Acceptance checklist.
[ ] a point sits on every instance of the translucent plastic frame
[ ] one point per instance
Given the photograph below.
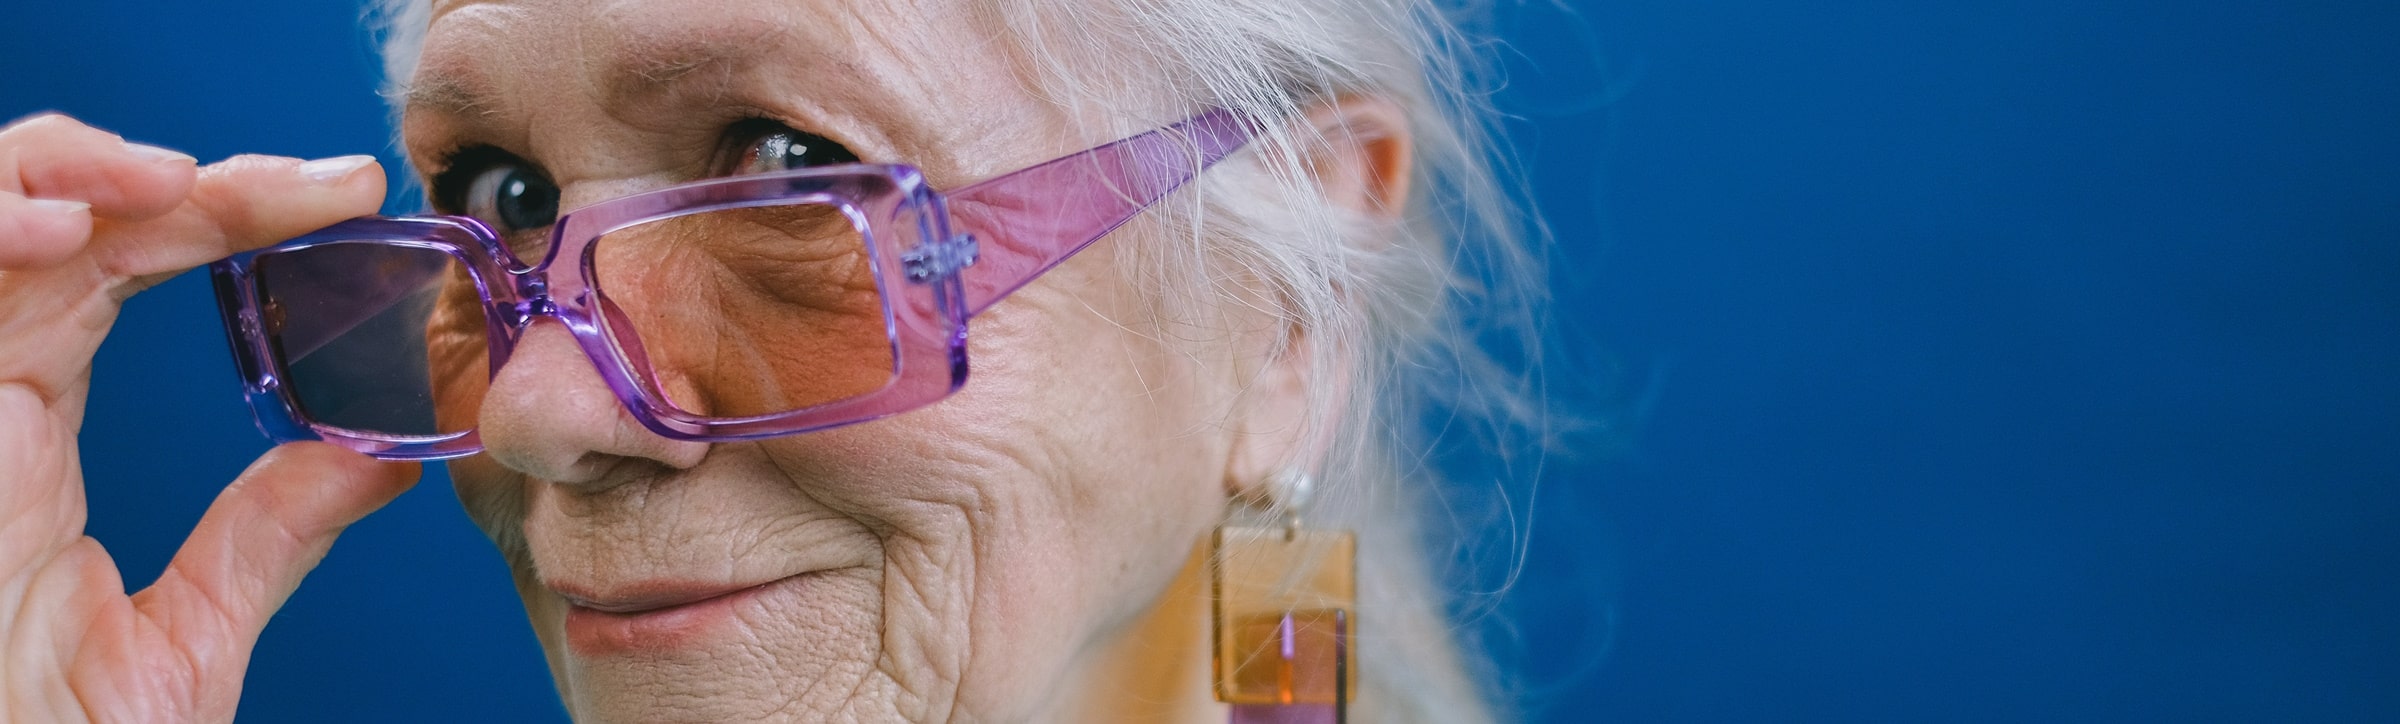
(938, 259)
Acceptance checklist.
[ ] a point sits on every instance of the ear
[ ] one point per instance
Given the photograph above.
(1360, 151)
(1272, 424)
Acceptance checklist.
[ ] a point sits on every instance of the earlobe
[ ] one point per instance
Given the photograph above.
(1271, 434)
(1362, 153)
(1287, 415)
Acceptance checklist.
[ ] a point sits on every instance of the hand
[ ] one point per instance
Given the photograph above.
(86, 221)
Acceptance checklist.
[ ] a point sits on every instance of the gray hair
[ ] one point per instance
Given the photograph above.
(1408, 316)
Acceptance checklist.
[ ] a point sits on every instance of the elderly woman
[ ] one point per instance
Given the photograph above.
(694, 331)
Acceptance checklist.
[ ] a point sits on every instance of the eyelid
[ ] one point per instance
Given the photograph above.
(447, 187)
(453, 175)
(742, 139)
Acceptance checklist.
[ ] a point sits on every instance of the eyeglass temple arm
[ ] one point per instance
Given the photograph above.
(1028, 221)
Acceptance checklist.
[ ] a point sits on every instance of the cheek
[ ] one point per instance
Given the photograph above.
(749, 312)
(1049, 502)
(457, 354)
(459, 368)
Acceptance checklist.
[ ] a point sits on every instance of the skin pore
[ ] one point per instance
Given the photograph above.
(1023, 551)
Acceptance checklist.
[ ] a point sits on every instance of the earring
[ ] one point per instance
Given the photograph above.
(1284, 599)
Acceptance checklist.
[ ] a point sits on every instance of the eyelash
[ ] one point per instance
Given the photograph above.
(742, 139)
(447, 188)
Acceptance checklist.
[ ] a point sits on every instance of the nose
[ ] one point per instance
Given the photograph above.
(550, 416)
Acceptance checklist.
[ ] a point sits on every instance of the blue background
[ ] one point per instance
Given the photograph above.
(2032, 360)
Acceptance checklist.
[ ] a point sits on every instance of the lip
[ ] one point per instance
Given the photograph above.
(653, 615)
(648, 596)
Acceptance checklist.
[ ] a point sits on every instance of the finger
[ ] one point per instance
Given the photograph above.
(39, 233)
(56, 157)
(38, 498)
(239, 204)
(250, 550)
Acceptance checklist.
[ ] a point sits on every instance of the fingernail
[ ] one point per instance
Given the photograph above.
(60, 206)
(331, 170)
(155, 154)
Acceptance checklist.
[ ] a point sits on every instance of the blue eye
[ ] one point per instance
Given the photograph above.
(778, 148)
(511, 198)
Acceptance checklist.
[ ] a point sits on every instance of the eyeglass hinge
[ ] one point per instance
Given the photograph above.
(939, 259)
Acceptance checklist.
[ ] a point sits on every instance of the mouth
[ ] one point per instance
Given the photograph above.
(654, 615)
(649, 597)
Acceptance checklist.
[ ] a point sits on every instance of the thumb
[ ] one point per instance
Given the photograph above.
(250, 550)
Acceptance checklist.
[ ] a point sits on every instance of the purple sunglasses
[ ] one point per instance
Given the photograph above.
(322, 326)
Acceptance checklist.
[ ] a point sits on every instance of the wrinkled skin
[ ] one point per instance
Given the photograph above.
(1022, 551)
(73, 645)
(977, 560)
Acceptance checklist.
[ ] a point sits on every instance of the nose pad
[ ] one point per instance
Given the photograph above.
(549, 415)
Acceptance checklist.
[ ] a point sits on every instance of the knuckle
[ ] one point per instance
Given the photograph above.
(43, 119)
(51, 125)
(230, 207)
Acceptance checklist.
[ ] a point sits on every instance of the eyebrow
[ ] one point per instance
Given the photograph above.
(445, 94)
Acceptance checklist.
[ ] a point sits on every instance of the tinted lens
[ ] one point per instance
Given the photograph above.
(747, 312)
(363, 329)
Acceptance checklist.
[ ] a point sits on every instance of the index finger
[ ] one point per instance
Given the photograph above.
(239, 204)
(51, 156)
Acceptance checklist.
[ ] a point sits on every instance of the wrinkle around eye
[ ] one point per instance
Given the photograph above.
(801, 256)
(457, 349)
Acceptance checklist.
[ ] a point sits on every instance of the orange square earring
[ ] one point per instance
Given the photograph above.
(1284, 600)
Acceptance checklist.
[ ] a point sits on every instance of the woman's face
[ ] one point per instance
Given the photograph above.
(967, 561)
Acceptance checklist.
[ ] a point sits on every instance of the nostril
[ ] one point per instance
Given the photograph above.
(589, 472)
(592, 473)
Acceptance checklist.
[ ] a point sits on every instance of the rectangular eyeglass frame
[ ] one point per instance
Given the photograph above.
(948, 255)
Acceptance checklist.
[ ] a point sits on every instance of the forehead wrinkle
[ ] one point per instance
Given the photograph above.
(454, 91)
(890, 90)
(640, 68)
